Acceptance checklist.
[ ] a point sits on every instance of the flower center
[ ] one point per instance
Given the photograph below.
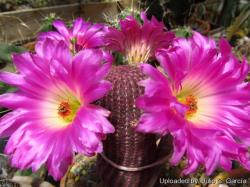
(64, 109)
(191, 102)
(138, 53)
(67, 110)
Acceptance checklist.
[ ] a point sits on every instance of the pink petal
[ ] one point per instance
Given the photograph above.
(61, 28)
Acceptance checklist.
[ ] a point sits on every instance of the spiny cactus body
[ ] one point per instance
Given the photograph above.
(126, 147)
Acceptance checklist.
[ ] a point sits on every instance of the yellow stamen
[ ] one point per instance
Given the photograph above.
(64, 109)
(67, 110)
(138, 53)
(191, 102)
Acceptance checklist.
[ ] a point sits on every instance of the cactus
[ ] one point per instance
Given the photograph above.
(126, 147)
(130, 158)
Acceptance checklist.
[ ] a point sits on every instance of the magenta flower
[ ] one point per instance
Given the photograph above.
(52, 115)
(202, 101)
(138, 42)
(82, 35)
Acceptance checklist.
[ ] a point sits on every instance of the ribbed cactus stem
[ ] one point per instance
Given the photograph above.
(126, 147)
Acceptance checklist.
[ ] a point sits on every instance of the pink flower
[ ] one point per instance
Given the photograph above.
(82, 35)
(53, 116)
(138, 42)
(202, 101)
